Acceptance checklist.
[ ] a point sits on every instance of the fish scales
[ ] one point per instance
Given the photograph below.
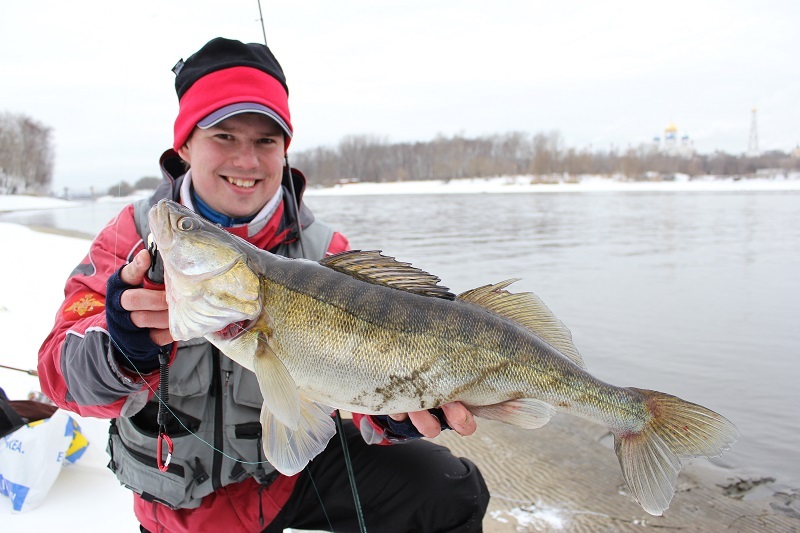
(363, 332)
(499, 360)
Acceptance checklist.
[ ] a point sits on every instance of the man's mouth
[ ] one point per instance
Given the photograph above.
(244, 183)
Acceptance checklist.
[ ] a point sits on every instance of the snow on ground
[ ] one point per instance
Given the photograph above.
(86, 495)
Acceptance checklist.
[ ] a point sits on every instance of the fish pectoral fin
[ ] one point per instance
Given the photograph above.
(526, 413)
(527, 310)
(278, 388)
(289, 450)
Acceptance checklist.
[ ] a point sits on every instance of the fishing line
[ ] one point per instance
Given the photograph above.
(168, 408)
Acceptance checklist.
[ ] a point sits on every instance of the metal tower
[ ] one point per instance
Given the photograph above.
(752, 143)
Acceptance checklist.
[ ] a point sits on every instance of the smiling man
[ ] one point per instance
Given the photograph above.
(229, 164)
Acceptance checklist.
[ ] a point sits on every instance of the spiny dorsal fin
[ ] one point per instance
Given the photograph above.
(378, 269)
(527, 310)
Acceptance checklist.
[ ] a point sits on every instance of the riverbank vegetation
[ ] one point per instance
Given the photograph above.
(544, 156)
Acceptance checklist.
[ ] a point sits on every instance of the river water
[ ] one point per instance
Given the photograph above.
(692, 293)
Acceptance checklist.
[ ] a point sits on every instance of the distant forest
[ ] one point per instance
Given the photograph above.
(27, 156)
(543, 156)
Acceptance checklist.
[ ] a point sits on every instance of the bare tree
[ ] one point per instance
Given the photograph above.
(26, 154)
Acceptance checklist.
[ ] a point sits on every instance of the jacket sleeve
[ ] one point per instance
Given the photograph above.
(77, 368)
(338, 244)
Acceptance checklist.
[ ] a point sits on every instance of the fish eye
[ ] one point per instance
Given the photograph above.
(185, 224)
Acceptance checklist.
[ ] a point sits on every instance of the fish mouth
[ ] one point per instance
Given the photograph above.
(235, 329)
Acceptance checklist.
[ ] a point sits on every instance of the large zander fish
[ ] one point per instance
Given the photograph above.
(365, 333)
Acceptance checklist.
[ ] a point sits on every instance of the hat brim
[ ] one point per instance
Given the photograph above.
(243, 107)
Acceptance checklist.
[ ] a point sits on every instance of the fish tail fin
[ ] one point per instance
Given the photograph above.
(651, 458)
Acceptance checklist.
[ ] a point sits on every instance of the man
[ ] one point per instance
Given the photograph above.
(111, 338)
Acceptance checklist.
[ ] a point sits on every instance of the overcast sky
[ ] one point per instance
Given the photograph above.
(601, 73)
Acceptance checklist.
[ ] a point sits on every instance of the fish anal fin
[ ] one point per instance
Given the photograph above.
(527, 310)
(378, 269)
(651, 459)
(528, 413)
(290, 450)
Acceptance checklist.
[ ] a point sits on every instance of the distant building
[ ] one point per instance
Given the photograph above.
(672, 144)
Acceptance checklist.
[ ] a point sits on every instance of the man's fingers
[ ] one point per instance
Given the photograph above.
(426, 423)
(133, 273)
(161, 337)
(459, 418)
(143, 300)
(150, 319)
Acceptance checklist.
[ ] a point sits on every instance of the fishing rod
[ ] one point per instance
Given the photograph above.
(29, 372)
(338, 416)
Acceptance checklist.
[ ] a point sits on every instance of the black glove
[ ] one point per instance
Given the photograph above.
(405, 429)
(133, 346)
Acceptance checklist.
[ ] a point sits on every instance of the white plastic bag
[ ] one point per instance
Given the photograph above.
(32, 457)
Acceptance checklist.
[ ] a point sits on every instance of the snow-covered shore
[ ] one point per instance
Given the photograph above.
(86, 495)
(527, 184)
(504, 184)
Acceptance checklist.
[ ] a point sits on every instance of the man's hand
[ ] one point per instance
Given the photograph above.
(458, 418)
(148, 307)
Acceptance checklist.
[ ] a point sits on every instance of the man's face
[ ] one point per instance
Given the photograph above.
(236, 165)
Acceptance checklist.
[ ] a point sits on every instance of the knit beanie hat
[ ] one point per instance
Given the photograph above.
(227, 77)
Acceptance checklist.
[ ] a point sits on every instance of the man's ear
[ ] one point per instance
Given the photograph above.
(183, 151)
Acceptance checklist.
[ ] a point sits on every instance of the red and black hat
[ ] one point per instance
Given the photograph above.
(227, 77)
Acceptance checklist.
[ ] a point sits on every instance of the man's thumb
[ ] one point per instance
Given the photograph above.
(133, 273)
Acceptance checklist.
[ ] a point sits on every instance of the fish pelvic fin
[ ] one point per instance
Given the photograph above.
(378, 269)
(527, 310)
(290, 450)
(295, 429)
(651, 459)
(528, 413)
(278, 388)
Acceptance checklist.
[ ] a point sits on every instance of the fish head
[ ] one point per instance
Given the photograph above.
(210, 286)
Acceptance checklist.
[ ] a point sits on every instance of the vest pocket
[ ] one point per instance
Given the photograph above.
(245, 388)
(190, 372)
(246, 442)
(178, 423)
(137, 470)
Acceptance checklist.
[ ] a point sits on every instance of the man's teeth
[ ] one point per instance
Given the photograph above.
(241, 183)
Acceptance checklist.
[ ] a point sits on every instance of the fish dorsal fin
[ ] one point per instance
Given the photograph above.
(378, 269)
(527, 310)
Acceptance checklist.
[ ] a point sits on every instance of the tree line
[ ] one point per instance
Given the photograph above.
(544, 156)
(26, 155)
(26, 159)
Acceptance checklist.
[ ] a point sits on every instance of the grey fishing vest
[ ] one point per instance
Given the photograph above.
(215, 405)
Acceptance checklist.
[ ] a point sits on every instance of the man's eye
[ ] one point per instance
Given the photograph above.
(266, 140)
(224, 136)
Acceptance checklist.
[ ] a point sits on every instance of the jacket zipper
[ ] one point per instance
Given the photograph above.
(216, 467)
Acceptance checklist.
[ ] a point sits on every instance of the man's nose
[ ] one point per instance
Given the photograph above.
(246, 156)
